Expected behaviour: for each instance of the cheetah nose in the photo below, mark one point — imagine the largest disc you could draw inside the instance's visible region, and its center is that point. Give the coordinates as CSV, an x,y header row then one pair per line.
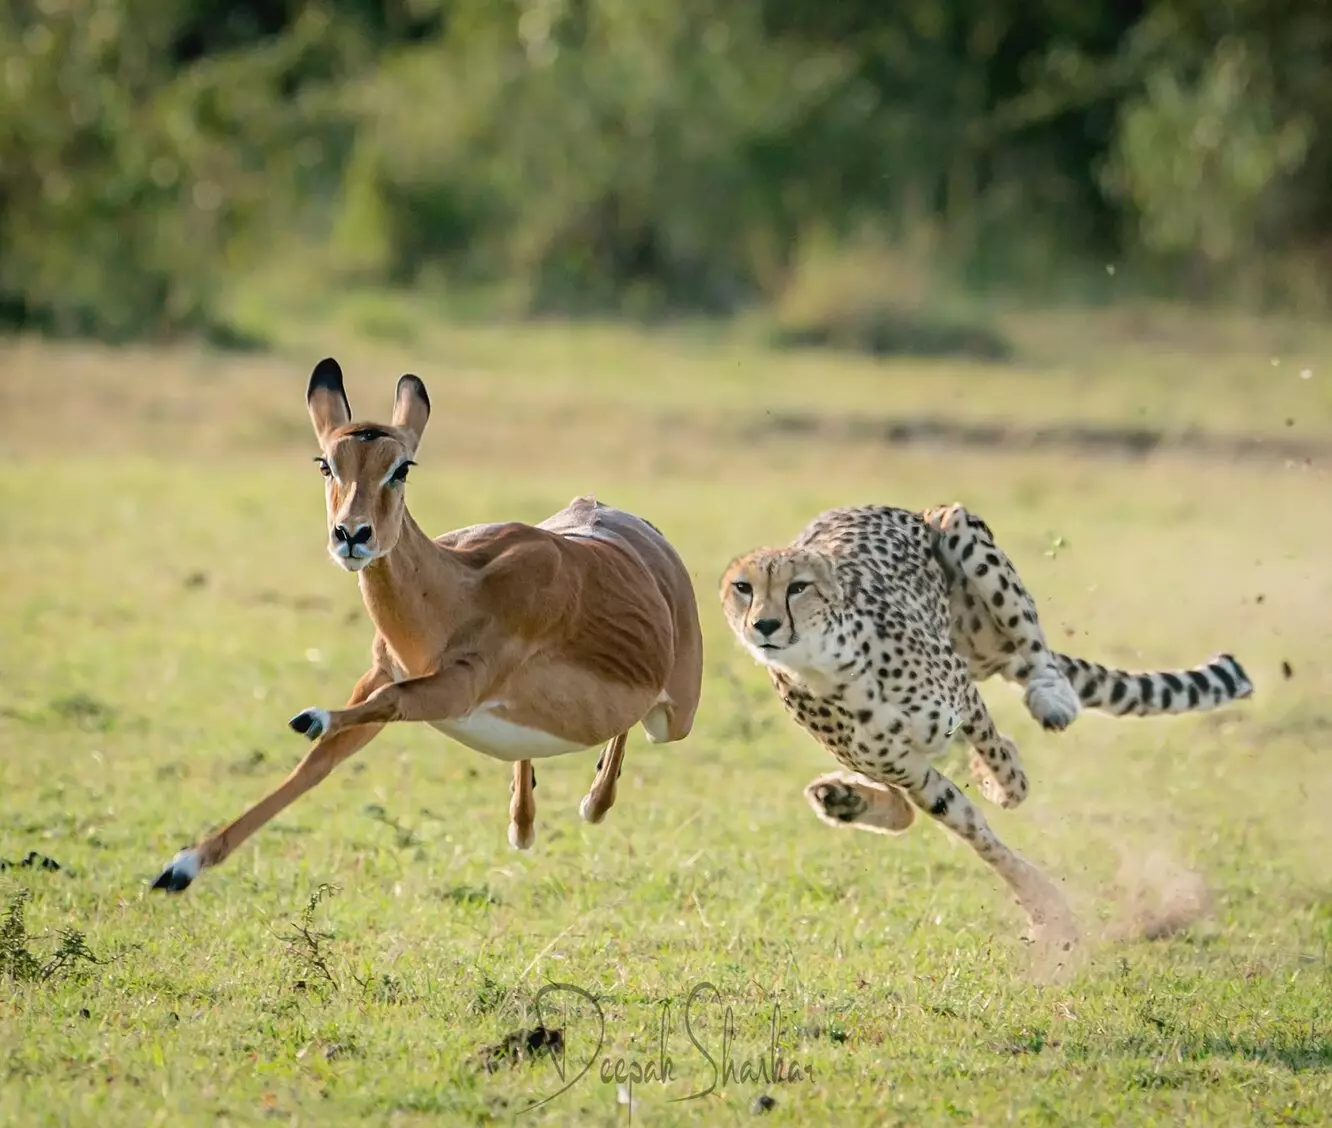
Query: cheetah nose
x,y
765,627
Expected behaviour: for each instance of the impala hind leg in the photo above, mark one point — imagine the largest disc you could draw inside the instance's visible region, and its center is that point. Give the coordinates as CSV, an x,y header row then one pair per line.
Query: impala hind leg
x,y
849,799
600,797
522,806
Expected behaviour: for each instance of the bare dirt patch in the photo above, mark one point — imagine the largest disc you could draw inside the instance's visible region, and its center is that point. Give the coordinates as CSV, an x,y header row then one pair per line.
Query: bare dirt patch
x,y
1087,439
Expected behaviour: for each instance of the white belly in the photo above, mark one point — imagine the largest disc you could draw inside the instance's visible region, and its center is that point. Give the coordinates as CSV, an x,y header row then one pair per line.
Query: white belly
x,y
484,732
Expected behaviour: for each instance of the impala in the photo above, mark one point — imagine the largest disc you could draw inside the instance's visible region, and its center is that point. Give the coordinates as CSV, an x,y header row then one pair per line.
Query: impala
x,y
518,641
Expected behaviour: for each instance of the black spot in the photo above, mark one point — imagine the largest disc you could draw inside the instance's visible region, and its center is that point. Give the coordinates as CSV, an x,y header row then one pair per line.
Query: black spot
x,y
1226,680
1146,689
1166,698
939,807
1287,670
1173,682
1193,696
1118,691
1199,679
968,551
982,569
864,715
997,599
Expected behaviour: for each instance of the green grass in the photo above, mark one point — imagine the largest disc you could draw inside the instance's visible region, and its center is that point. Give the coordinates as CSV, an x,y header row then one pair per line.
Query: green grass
x,y
168,606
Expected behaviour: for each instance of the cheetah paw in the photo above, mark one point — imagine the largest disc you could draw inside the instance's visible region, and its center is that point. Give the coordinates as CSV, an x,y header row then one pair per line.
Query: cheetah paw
x,y
848,799
1050,698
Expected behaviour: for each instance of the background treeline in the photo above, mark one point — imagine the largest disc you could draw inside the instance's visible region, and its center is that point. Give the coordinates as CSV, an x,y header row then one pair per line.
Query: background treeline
x,y
649,156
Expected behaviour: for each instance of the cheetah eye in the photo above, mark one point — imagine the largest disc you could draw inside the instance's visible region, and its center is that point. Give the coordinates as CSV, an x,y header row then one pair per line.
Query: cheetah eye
x,y
743,587
797,587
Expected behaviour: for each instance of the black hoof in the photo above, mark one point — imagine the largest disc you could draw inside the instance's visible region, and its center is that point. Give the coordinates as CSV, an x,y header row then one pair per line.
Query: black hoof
x,y
173,880
308,723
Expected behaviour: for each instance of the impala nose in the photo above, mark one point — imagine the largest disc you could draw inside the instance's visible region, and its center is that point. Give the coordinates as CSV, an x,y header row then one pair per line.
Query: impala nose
x,y
765,627
352,537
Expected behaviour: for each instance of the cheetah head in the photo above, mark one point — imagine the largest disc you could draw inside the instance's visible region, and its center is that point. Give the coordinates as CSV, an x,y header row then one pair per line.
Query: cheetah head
x,y
782,604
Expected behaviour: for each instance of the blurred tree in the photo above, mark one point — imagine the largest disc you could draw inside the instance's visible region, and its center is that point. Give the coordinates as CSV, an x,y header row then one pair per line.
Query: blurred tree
x,y
643,155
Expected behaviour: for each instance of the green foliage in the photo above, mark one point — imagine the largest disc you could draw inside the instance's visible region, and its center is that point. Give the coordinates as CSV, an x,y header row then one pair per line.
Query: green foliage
x,y
634,155
1200,160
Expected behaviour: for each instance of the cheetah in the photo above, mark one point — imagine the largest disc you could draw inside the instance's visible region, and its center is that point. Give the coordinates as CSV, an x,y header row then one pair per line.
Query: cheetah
x,y
876,624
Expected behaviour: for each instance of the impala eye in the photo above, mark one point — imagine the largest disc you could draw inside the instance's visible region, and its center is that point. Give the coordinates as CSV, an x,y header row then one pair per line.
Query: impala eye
x,y
324,468
743,588
797,587
400,474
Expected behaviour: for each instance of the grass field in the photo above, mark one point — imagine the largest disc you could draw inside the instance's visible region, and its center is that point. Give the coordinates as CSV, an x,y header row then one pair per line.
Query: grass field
x,y
170,605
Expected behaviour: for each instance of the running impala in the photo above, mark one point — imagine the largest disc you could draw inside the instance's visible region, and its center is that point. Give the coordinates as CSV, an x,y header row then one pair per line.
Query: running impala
x,y
518,641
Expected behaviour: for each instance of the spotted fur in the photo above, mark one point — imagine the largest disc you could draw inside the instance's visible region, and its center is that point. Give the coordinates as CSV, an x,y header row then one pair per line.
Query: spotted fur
x,y
994,624
876,623
851,621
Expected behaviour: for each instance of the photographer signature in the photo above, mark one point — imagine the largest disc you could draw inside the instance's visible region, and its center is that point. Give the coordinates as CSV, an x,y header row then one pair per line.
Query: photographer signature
x,y
768,1068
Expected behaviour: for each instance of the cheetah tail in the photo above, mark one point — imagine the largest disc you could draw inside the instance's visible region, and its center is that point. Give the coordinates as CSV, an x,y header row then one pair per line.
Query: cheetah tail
x,y
1152,693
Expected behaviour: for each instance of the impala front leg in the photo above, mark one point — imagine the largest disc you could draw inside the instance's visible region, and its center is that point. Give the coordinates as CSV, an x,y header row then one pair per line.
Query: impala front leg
x,y
447,693
318,762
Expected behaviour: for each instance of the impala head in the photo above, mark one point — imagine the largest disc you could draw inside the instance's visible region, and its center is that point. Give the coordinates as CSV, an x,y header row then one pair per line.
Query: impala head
x,y
364,464
782,605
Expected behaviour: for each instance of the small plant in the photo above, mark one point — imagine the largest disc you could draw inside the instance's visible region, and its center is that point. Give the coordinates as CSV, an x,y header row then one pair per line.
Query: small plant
x,y
306,945
20,964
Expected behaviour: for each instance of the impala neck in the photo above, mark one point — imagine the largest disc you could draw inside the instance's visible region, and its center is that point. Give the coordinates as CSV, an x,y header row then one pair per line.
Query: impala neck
x,y
416,582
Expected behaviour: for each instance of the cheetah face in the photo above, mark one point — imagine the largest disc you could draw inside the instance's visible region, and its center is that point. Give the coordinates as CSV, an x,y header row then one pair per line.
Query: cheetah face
x,y
781,604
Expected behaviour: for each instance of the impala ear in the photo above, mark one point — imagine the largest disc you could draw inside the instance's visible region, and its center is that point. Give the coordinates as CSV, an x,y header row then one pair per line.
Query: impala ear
x,y
326,399
411,407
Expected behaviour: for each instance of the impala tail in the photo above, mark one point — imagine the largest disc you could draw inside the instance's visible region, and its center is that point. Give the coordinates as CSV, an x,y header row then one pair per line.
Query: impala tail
x,y
1153,693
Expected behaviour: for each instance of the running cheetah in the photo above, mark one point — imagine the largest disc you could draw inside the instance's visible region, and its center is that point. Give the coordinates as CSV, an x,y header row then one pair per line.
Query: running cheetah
x,y
876,623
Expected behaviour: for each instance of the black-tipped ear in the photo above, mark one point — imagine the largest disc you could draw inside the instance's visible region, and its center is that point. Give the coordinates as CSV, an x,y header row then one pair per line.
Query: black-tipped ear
x,y
411,406
327,399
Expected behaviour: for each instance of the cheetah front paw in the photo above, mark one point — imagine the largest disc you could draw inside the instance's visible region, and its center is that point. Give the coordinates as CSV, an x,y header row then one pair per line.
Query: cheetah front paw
x,y
848,799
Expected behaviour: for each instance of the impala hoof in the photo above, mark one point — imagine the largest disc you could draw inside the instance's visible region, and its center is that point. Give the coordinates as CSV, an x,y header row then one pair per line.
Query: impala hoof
x,y
180,871
591,811
310,723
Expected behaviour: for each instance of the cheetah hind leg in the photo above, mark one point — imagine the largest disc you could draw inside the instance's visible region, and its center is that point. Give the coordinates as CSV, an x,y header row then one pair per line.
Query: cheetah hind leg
x,y
848,799
987,593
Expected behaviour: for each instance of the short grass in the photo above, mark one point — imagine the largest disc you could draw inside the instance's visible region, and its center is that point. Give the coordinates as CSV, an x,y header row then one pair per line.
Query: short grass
x,y
167,606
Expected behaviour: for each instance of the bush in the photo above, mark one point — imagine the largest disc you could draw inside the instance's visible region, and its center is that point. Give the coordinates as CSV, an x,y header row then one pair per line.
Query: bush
x,y
871,297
